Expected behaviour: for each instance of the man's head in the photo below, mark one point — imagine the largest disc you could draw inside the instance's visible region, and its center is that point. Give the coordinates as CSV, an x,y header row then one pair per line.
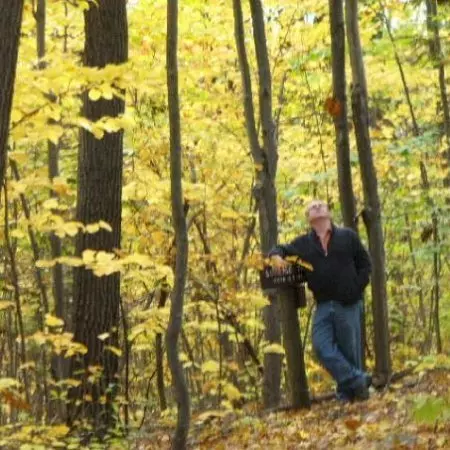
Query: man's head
x,y
318,215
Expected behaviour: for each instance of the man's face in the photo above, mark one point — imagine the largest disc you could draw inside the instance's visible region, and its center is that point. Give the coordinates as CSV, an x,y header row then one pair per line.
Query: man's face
x,y
318,215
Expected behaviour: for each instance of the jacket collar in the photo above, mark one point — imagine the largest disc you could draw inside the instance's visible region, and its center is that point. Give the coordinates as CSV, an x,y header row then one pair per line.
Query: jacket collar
x,y
315,238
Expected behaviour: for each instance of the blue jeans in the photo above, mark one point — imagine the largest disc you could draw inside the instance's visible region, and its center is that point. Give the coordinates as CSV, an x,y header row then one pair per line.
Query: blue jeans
x,y
336,339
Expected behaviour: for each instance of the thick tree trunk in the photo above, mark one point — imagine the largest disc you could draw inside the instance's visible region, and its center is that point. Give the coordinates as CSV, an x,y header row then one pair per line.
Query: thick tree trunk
x,y
371,198
97,299
345,183
181,235
10,25
265,160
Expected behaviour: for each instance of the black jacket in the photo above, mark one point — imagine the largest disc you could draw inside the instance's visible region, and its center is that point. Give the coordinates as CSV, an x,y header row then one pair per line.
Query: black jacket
x,y
340,275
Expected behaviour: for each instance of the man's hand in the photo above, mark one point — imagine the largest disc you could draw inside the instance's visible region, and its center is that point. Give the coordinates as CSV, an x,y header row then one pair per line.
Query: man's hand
x,y
278,264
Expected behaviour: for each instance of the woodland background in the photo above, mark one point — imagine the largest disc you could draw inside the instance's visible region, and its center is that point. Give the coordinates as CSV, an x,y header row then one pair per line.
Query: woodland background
x,y
64,219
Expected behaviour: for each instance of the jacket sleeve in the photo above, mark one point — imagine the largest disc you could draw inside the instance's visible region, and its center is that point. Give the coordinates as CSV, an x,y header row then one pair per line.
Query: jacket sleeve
x,y
362,261
294,248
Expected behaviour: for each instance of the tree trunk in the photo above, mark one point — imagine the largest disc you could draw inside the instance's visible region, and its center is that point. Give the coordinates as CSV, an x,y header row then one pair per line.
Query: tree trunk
x,y
298,382
10,25
162,293
345,183
97,299
58,362
267,201
371,198
180,228
265,160
11,251
438,60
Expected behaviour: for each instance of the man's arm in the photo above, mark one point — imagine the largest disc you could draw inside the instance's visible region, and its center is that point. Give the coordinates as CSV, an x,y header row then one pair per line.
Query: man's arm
x,y
362,261
283,250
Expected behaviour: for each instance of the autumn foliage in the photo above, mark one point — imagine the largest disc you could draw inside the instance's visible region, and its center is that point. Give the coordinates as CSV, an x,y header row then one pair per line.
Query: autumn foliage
x,y
221,344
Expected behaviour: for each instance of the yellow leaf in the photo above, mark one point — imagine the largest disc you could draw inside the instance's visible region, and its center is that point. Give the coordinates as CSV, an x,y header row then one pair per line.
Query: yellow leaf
x,y
103,336
210,366
71,261
95,94
107,91
92,228
54,133
300,262
18,234
114,350
53,321
232,392
105,226
71,382
19,157
60,186
89,256
45,264
59,431
27,365
97,132
71,228
104,257
159,237
274,348
7,383
51,203
4,304
111,125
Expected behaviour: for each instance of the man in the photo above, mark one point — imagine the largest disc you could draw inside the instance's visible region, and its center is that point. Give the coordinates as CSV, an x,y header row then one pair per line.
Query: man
x,y
341,270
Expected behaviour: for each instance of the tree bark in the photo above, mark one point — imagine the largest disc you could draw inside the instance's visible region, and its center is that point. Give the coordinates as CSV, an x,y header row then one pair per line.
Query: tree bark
x,y
59,363
180,228
16,289
97,299
438,60
10,26
267,197
371,198
162,293
344,170
265,160
298,382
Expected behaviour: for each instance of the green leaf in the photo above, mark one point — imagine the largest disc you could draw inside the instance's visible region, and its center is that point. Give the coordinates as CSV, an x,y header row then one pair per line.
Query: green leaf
x,y
429,409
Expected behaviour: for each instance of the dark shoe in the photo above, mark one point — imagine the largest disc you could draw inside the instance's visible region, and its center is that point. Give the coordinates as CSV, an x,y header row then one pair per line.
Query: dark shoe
x,y
361,392
343,397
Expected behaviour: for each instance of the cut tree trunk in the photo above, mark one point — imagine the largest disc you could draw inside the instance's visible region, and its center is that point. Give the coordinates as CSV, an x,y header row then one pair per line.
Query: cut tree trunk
x,y
181,235
10,26
100,161
371,198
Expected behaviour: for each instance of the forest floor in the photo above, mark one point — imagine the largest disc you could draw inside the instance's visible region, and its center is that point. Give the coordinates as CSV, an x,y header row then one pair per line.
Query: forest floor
x,y
402,417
